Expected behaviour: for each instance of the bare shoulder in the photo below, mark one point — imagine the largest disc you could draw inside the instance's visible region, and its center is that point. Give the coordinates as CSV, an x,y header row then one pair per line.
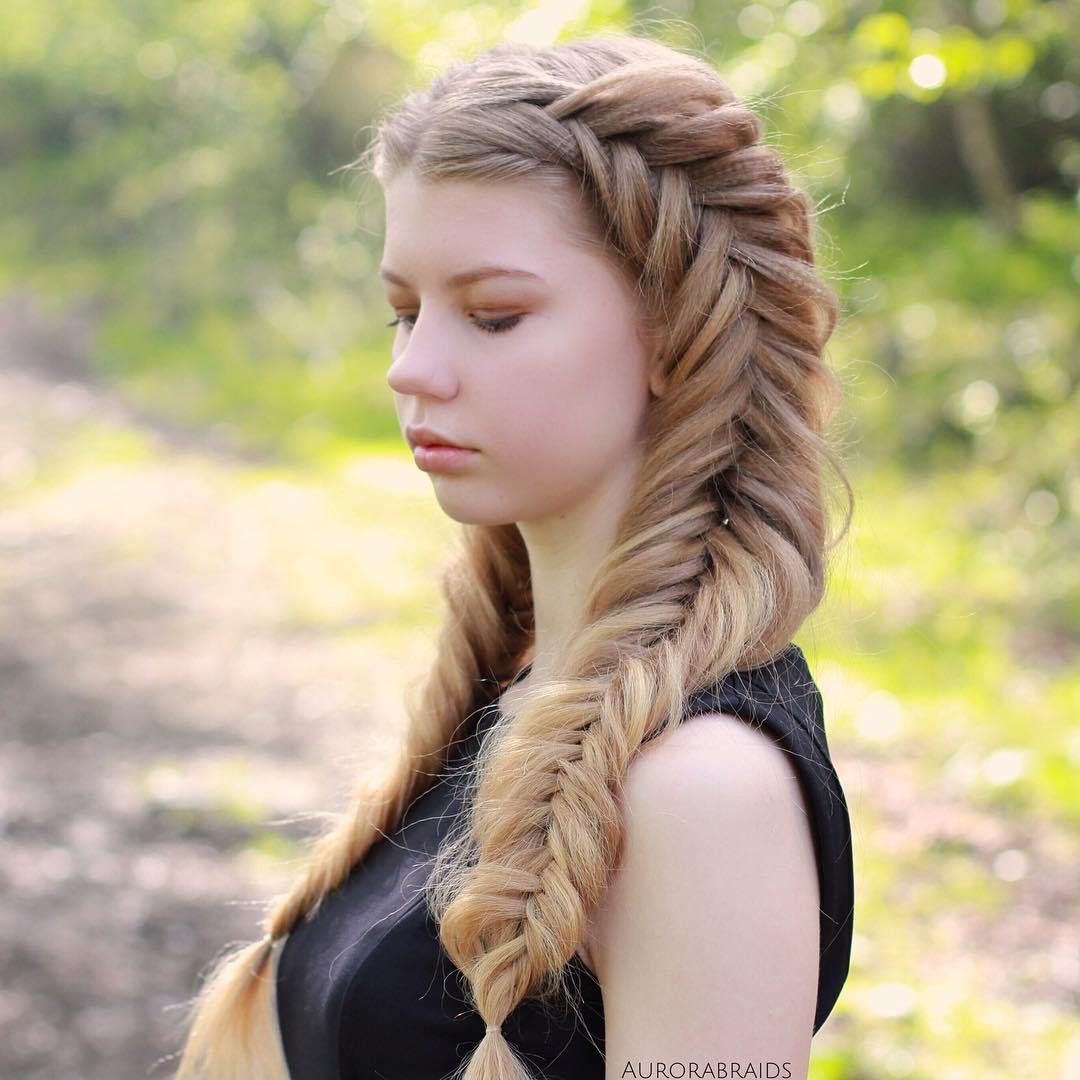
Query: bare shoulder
x,y
710,744
706,941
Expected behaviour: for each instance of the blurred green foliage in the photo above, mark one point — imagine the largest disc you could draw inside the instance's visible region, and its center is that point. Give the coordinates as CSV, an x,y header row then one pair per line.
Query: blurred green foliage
x,y
177,169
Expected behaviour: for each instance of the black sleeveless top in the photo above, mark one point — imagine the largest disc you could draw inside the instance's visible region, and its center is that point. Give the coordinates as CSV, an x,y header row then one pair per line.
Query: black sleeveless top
x,y
365,990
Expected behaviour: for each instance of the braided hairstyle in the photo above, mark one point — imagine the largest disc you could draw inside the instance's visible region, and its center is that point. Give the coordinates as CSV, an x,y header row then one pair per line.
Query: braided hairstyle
x,y
719,557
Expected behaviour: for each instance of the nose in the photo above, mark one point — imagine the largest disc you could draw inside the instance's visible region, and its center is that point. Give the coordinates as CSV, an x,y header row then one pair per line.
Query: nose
x,y
422,366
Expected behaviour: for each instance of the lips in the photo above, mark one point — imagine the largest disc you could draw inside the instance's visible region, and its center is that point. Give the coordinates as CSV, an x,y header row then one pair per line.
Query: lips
x,y
423,436
442,458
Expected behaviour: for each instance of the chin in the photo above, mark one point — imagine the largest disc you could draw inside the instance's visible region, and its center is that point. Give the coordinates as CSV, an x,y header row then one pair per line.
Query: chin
x,y
467,512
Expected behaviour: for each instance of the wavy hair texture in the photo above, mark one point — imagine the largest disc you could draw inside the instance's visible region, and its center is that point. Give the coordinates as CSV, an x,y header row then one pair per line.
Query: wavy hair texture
x,y
719,557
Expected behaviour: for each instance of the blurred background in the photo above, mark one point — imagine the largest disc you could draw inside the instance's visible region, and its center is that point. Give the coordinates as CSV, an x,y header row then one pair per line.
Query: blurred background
x,y
218,560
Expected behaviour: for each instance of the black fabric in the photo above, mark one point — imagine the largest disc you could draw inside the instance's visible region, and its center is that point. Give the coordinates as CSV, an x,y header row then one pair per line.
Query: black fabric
x,y
366,992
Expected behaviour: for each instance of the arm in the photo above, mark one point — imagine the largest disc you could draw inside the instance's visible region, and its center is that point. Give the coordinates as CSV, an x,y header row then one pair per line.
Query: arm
x,y
706,942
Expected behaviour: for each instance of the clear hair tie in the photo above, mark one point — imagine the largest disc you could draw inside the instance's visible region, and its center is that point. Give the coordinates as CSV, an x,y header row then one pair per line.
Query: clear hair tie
x,y
494,1027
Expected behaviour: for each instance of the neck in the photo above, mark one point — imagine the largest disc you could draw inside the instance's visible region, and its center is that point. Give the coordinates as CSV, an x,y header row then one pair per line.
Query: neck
x,y
565,551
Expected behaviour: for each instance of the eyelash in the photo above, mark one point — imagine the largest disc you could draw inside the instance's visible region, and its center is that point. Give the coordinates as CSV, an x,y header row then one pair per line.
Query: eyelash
x,y
489,326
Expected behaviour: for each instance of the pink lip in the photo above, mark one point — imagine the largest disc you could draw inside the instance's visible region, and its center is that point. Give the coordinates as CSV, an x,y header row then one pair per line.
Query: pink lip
x,y
441,458
420,435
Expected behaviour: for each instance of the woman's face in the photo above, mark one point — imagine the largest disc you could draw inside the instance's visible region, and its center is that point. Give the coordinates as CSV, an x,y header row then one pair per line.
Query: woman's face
x,y
546,376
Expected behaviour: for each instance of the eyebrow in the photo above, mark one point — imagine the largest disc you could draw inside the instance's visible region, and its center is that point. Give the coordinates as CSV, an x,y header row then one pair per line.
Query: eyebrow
x,y
467,277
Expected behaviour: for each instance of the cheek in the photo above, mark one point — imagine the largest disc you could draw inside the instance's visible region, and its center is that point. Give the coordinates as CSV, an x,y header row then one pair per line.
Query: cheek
x,y
578,408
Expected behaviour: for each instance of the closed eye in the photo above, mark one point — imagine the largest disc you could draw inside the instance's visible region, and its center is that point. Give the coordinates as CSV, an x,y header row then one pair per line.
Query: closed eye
x,y
490,326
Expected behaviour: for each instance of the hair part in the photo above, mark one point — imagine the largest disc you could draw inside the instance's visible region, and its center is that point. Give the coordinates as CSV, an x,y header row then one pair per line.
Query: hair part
x,y
719,558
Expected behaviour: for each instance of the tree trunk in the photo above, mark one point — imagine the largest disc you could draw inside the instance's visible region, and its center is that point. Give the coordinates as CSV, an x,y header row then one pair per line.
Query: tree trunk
x,y
984,163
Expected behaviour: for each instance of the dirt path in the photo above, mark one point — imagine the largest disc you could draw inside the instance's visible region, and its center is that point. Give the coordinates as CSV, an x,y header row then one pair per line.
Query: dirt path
x,y
160,702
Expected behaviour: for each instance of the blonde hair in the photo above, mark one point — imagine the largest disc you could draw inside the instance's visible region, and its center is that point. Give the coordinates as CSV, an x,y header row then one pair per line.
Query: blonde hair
x,y
719,558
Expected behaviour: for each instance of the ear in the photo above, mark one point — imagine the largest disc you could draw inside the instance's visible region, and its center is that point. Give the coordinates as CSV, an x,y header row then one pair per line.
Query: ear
x,y
657,380
653,336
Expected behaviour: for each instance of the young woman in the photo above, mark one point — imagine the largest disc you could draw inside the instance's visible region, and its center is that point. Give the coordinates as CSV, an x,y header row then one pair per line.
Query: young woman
x,y
638,855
